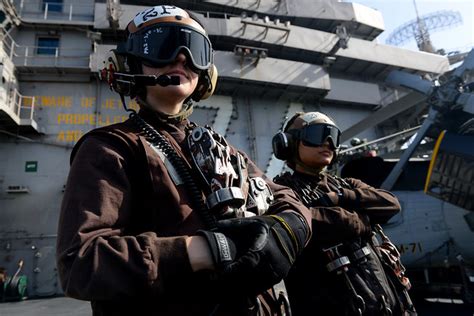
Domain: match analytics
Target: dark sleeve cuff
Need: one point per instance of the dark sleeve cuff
(349, 199)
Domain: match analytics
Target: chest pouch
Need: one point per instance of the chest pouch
(229, 191)
(221, 172)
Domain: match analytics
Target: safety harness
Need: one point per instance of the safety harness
(229, 191)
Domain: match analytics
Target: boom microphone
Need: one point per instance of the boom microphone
(165, 80)
(151, 80)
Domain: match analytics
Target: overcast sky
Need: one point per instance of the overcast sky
(398, 12)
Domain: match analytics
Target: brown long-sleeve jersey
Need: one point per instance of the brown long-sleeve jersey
(351, 214)
(124, 221)
(335, 221)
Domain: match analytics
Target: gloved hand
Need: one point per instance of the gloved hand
(254, 253)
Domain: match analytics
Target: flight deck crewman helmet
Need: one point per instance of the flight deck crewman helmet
(156, 36)
(311, 128)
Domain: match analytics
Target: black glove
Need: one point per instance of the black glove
(254, 253)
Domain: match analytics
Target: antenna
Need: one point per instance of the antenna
(422, 36)
(421, 27)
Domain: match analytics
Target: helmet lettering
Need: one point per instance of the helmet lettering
(157, 12)
(149, 14)
(164, 7)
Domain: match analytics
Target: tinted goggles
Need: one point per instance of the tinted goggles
(317, 134)
(159, 46)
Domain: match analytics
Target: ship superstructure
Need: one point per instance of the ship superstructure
(274, 57)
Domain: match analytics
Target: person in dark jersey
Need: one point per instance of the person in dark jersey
(342, 271)
(161, 216)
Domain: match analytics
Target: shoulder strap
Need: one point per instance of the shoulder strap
(161, 144)
(338, 181)
(306, 190)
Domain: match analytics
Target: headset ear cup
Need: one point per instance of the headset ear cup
(115, 63)
(206, 84)
(213, 74)
(282, 144)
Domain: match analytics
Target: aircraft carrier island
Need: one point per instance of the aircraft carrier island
(275, 58)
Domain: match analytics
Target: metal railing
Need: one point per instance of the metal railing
(62, 57)
(51, 57)
(22, 107)
(48, 11)
(19, 106)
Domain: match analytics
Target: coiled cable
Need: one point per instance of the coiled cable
(179, 164)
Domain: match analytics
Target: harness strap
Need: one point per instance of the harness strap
(160, 143)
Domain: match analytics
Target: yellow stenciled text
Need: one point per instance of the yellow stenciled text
(69, 136)
(88, 119)
(87, 102)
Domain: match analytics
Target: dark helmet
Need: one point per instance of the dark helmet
(311, 128)
(155, 37)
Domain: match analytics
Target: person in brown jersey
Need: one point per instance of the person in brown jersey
(340, 272)
(141, 232)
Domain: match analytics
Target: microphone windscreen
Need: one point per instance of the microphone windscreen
(174, 80)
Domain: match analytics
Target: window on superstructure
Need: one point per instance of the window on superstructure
(53, 5)
(47, 46)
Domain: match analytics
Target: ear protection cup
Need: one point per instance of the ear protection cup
(206, 84)
(283, 144)
(115, 62)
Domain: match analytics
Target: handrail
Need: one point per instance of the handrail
(21, 107)
(207, 14)
(29, 49)
(13, 50)
(55, 11)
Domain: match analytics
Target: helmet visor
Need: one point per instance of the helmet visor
(317, 134)
(158, 46)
